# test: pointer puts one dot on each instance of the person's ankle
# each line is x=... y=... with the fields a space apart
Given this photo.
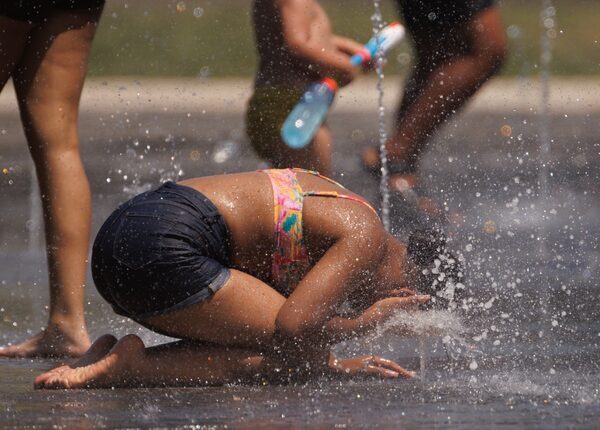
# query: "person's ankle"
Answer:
x=71 y=327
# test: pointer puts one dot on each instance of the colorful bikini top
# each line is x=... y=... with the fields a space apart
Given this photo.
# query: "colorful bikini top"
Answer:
x=290 y=257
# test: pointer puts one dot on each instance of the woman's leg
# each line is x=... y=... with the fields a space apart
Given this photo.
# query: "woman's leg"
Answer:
x=237 y=322
x=129 y=363
x=449 y=71
x=320 y=148
x=315 y=156
x=446 y=78
x=48 y=80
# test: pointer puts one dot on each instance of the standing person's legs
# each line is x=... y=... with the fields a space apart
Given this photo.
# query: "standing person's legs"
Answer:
x=267 y=110
x=450 y=68
x=48 y=80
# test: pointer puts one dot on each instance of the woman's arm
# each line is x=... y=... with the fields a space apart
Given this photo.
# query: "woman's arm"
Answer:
x=328 y=61
x=340 y=328
x=346 y=265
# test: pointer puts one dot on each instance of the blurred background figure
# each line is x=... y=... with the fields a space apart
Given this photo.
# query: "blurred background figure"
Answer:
x=459 y=45
x=296 y=47
x=44 y=48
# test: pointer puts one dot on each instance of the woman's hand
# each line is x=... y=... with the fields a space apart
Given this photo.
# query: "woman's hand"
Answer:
x=371 y=365
x=386 y=308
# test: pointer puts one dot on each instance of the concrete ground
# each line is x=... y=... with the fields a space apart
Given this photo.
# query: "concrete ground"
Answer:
x=532 y=255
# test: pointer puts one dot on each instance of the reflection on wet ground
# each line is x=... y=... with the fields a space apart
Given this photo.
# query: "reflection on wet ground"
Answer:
x=533 y=323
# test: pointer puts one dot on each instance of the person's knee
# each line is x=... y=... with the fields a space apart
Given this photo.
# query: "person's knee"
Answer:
x=493 y=55
x=51 y=129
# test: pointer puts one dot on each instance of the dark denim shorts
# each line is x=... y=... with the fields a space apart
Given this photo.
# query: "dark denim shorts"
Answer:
x=37 y=11
x=160 y=251
x=429 y=15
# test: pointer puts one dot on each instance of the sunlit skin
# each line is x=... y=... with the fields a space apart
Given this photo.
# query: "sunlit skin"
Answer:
x=247 y=328
x=296 y=49
x=449 y=69
x=47 y=63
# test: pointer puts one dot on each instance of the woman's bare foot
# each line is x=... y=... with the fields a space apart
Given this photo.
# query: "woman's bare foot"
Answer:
x=101 y=370
x=99 y=349
x=54 y=341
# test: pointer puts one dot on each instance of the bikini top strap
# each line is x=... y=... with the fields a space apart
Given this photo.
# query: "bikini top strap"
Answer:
x=339 y=196
x=315 y=173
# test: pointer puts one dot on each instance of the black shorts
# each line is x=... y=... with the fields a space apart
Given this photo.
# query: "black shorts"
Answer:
x=36 y=11
x=160 y=251
x=429 y=15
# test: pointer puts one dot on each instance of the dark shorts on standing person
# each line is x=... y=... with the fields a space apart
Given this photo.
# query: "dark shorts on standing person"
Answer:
x=429 y=15
x=37 y=11
x=161 y=251
x=267 y=110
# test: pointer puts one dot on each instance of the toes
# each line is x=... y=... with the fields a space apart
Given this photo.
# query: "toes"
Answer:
x=43 y=379
x=14 y=351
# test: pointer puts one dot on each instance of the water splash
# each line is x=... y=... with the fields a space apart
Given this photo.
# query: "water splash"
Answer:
x=377 y=20
x=548 y=33
x=547 y=16
x=138 y=173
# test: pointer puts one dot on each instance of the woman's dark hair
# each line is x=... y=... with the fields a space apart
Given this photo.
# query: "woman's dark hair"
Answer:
x=440 y=272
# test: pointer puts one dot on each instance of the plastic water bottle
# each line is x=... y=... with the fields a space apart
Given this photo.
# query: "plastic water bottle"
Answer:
x=307 y=116
x=388 y=37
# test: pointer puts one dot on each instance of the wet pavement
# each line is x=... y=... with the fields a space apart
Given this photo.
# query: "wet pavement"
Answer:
x=532 y=263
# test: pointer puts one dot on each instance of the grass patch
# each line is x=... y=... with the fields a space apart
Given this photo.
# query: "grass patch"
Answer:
x=215 y=38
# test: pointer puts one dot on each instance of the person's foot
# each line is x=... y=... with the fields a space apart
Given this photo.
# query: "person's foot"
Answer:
x=99 y=349
x=53 y=341
x=104 y=367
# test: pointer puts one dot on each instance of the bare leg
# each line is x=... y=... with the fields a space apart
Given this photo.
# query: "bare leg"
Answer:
x=48 y=80
x=228 y=338
x=315 y=156
x=239 y=321
x=449 y=71
x=181 y=363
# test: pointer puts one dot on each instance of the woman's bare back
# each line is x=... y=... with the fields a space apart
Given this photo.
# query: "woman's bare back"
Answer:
x=245 y=200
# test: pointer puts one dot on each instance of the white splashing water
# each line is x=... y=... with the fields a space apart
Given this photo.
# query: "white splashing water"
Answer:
x=444 y=324
x=377 y=20
x=139 y=161
x=547 y=18
x=422 y=323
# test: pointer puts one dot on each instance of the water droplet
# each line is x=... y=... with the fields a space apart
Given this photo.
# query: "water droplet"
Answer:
x=195 y=155
x=513 y=31
x=489 y=227
x=204 y=72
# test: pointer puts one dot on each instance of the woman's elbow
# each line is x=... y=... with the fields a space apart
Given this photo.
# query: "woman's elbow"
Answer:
x=292 y=329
